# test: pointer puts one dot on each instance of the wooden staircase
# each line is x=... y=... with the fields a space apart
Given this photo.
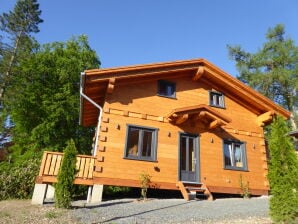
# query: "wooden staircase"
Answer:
x=193 y=191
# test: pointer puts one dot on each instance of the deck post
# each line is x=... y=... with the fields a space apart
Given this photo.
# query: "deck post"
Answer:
x=97 y=191
x=39 y=193
x=50 y=192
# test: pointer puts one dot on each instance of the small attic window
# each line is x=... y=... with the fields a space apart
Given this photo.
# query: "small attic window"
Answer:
x=166 y=89
x=216 y=99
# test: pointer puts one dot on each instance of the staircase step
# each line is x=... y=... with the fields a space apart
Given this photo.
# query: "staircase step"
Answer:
x=196 y=189
x=192 y=196
x=201 y=196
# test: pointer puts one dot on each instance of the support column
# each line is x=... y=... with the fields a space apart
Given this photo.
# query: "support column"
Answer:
x=97 y=191
x=50 y=193
x=39 y=193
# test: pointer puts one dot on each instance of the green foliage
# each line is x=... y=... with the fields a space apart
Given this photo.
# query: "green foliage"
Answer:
x=244 y=186
x=273 y=70
x=145 y=180
x=66 y=175
x=17 y=180
x=53 y=214
x=18 y=26
x=112 y=190
x=283 y=173
x=45 y=103
x=23 y=19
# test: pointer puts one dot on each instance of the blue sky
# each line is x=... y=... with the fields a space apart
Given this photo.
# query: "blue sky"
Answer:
x=128 y=32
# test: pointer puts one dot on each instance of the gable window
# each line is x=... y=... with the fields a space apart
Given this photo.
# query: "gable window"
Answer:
x=141 y=143
x=234 y=155
x=216 y=99
x=167 y=89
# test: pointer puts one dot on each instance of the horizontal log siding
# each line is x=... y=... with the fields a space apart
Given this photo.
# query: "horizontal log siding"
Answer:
x=142 y=99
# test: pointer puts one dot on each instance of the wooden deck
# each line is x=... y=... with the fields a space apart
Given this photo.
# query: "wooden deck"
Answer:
x=51 y=163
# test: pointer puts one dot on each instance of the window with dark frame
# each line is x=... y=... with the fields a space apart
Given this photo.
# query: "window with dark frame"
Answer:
x=166 y=89
x=141 y=143
x=234 y=155
x=216 y=99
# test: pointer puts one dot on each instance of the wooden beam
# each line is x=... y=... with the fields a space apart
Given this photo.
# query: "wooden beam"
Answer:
x=111 y=85
x=183 y=190
x=199 y=73
x=133 y=183
x=215 y=123
x=181 y=119
x=265 y=117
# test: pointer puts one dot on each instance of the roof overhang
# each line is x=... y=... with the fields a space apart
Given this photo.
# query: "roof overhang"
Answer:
x=97 y=83
x=207 y=115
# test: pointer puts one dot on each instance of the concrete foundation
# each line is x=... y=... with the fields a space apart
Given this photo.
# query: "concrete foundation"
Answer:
x=97 y=191
x=39 y=194
x=50 y=192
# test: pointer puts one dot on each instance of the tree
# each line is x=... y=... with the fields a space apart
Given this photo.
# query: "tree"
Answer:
x=17 y=26
x=283 y=173
x=273 y=70
x=66 y=175
x=46 y=102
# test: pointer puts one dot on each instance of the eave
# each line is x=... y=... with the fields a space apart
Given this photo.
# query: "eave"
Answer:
x=100 y=82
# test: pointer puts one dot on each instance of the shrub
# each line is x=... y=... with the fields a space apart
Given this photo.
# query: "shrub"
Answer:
x=66 y=175
x=17 y=180
x=244 y=186
x=114 y=190
x=283 y=173
x=145 y=180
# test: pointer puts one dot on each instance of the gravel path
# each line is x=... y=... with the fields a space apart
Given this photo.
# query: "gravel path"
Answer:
x=232 y=210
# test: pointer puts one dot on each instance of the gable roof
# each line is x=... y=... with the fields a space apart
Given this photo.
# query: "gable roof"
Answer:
x=96 y=83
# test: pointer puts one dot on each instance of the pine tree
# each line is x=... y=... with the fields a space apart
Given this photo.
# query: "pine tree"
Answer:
x=272 y=70
x=283 y=174
x=64 y=187
x=18 y=24
x=16 y=44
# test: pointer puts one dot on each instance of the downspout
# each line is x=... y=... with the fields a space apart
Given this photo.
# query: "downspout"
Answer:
x=98 y=124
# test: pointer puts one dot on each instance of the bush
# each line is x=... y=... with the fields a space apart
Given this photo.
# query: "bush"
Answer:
x=114 y=190
x=66 y=175
x=17 y=180
x=283 y=173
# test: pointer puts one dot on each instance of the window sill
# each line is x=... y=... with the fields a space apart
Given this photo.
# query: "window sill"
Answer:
x=217 y=106
x=138 y=159
x=236 y=169
x=170 y=97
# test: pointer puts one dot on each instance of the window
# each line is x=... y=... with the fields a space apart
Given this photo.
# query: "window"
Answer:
x=234 y=155
x=167 y=89
x=141 y=143
x=216 y=99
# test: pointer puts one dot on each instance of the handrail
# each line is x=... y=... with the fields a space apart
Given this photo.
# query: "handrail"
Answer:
x=51 y=163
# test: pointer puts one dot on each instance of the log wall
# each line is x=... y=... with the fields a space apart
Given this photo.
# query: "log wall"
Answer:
x=138 y=104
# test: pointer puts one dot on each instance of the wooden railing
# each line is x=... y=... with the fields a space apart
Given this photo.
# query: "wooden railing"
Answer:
x=51 y=163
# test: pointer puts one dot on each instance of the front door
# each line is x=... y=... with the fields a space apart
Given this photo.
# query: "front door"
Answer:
x=188 y=158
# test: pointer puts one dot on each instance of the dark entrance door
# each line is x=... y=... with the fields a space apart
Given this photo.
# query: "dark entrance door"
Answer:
x=189 y=159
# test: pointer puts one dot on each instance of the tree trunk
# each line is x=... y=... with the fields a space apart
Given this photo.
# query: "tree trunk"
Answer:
x=11 y=62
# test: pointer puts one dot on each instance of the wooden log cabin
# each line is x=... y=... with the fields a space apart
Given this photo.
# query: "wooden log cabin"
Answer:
x=188 y=124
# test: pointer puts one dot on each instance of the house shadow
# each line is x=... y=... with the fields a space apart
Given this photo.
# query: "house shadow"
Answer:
x=114 y=219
